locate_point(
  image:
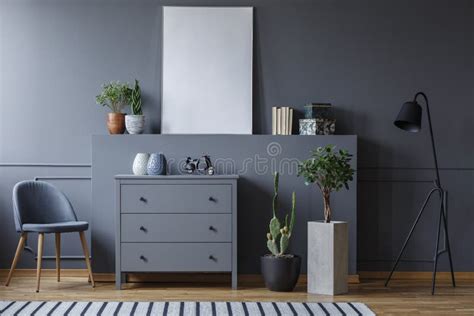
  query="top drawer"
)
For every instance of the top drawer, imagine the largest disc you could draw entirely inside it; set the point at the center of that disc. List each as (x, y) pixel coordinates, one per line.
(175, 198)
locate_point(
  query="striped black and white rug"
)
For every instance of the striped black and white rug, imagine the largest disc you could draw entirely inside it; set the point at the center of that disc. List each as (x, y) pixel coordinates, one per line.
(40, 308)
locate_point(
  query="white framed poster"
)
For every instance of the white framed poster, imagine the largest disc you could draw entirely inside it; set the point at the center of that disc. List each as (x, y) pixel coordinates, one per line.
(207, 70)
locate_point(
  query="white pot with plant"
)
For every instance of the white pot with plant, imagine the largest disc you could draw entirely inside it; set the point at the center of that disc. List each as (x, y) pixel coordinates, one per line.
(135, 122)
(115, 96)
(328, 241)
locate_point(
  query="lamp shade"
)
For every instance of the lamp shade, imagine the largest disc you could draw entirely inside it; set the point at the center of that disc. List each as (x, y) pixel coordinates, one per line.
(409, 118)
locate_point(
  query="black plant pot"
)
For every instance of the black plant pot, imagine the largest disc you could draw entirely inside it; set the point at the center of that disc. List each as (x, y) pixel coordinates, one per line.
(280, 273)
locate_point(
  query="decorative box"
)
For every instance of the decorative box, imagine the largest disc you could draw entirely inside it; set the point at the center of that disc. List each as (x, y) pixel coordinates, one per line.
(317, 126)
(318, 110)
(319, 120)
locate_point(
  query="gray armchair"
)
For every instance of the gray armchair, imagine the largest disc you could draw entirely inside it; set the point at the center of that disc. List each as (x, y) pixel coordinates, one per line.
(39, 207)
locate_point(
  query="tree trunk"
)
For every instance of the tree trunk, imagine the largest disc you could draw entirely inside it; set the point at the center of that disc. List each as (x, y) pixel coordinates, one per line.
(327, 206)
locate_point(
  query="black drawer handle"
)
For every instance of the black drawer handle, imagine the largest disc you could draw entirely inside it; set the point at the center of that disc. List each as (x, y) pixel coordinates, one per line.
(211, 257)
(143, 199)
(143, 229)
(212, 199)
(143, 258)
(212, 228)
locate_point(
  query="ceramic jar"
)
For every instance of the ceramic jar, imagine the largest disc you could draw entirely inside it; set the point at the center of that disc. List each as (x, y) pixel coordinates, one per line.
(140, 164)
(156, 164)
(135, 124)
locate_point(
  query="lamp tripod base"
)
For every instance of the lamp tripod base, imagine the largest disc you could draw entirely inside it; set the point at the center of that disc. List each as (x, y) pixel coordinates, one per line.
(441, 221)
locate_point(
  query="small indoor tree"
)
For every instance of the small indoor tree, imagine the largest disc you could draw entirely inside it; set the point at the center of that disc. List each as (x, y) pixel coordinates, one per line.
(115, 96)
(330, 170)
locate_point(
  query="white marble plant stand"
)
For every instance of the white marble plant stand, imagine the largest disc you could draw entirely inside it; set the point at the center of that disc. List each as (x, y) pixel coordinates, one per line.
(328, 255)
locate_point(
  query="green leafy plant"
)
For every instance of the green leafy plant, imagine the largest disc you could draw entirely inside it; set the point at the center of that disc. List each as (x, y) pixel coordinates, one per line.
(115, 96)
(136, 99)
(329, 170)
(278, 239)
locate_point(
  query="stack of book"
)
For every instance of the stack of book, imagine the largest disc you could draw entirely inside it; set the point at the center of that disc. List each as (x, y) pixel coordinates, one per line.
(282, 120)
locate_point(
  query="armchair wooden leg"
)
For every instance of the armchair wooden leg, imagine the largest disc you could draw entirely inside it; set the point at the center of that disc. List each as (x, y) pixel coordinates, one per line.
(58, 256)
(86, 255)
(21, 244)
(40, 257)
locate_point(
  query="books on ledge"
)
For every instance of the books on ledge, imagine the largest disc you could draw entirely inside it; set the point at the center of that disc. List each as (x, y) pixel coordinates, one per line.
(282, 120)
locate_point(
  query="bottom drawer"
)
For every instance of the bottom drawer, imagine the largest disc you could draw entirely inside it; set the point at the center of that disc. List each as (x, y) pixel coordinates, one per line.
(176, 257)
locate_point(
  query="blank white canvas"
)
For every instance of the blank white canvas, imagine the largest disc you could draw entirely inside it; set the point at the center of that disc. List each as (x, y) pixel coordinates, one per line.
(207, 70)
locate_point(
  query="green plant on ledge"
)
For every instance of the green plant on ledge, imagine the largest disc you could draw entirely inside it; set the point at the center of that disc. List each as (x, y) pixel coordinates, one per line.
(136, 99)
(329, 170)
(278, 238)
(115, 96)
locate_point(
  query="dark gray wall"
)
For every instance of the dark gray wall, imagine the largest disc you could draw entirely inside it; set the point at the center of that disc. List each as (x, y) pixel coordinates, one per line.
(366, 57)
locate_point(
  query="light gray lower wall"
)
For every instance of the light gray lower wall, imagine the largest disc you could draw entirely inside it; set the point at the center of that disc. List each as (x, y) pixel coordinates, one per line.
(366, 57)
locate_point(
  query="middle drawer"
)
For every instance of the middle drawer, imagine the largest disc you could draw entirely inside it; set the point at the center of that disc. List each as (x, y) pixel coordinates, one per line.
(176, 227)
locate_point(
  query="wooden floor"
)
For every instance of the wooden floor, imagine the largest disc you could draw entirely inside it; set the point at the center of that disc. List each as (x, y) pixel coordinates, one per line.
(401, 298)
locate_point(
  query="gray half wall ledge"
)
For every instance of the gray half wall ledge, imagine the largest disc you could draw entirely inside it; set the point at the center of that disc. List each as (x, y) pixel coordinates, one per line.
(343, 51)
(253, 158)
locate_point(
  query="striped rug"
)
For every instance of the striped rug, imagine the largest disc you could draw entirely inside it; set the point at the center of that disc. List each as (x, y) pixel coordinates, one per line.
(41, 308)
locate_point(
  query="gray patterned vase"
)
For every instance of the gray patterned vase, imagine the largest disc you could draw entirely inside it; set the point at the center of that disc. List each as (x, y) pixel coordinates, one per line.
(140, 164)
(156, 164)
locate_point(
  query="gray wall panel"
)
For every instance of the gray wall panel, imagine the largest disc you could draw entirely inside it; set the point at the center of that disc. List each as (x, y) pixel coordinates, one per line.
(389, 201)
(253, 158)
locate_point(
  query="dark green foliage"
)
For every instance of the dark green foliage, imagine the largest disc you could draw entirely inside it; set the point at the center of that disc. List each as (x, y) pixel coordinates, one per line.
(115, 96)
(330, 170)
(136, 99)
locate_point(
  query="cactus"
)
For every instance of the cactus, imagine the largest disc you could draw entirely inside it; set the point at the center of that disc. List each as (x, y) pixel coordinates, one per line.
(274, 227)
(271, 244)
(136, 99)
(284, 242)
(293, 209)
(276, 181)
(280, 235)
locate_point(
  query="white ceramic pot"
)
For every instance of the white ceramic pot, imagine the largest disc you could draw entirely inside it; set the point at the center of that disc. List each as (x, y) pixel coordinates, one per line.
(140, 164)
(135, 124)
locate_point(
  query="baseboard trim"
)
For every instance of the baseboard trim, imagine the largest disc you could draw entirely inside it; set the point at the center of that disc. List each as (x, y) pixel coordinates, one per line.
(225, 277)
(209, 278)
(158, 277)
(414, 275)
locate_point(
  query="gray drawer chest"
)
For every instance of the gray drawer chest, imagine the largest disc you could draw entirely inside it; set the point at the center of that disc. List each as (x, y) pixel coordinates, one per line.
(176, 223)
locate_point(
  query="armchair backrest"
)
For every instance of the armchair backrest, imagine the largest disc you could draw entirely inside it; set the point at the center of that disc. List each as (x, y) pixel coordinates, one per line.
(38, 202)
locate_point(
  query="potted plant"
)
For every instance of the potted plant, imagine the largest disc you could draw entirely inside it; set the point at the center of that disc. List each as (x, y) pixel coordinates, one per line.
(280, 270)
(115, 96)
(135, 122)
(328, 244)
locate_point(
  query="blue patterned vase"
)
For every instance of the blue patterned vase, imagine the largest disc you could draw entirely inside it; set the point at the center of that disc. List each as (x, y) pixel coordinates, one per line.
(156, 164)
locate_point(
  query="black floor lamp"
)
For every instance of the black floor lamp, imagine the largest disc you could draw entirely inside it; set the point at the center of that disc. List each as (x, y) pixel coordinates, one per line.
(409, 119)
